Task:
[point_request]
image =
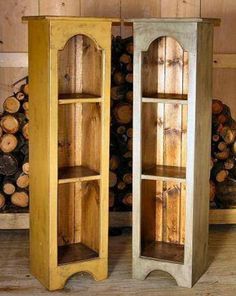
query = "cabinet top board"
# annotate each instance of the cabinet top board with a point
(70, 18)
(215, 21)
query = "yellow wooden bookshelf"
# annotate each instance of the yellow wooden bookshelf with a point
(69, 89)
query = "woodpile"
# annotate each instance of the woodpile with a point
(14, 155)
(223, 152)
(121, 124)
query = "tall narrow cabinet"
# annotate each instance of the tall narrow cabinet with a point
(172, 132)
(69, 89)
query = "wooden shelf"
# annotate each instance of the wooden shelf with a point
(78, 98)
(165, 173)
(163, 251)
(75, 252)
(165, 98)
(76, 173)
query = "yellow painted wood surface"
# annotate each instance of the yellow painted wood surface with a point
(73, 212)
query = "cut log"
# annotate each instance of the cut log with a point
(129, 96)
(127, 178)
(25, 106)
(123, 113)
(8, 164)
(222, 175)
(233, 148)
(25, 89)
(222, 155)
(112, 179)
(114, 162)
(25, 131)
(129, 132)
(118, 78)
(229, 163)
(121, 130)
(8, 143)
(217, 106)
(127, 200)
(111, 199)
(129, 77)
(118, 92)
(125, 58)
(22, 179)
(130, 48)
(228, 134)
(129, 67)
(8, 186)
(9, 124)
(226, 193)
(222, 146)
(215, 138)
(20, 96)
(20, 199)
(25, 165)
(11, 105)
(2, 200)
(212, 190)
(121, 185)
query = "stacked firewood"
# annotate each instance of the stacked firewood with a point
(223, 152)
(14, 162)
(121, 124)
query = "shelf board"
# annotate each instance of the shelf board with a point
(165, 98)
(165, 173)
(78, 98)
(75, 252)
(75, 174)
(163, 251)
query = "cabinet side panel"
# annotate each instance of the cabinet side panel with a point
(202, 143)
(39, 149)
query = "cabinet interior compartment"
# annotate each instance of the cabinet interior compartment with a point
(79, 71)
(164, 150)
(79, 150)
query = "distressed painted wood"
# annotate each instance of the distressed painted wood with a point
(69, 208)
(170, 217)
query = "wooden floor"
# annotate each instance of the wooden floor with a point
(220, 279)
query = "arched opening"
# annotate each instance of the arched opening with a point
(164, 139)
(79, 146)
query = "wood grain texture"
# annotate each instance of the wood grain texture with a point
(13, 33)
(179, 8)
(224, 87)
(220, 278)
(8, 77)
(177, 226)
(225, 39)
(138, 9)
(58, 7)
(102, 9)
(83, 140)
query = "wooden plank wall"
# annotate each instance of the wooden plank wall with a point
(13, 34)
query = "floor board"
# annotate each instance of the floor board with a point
(220, 278)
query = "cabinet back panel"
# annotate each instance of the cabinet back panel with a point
(164, 131)
(78, 214)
